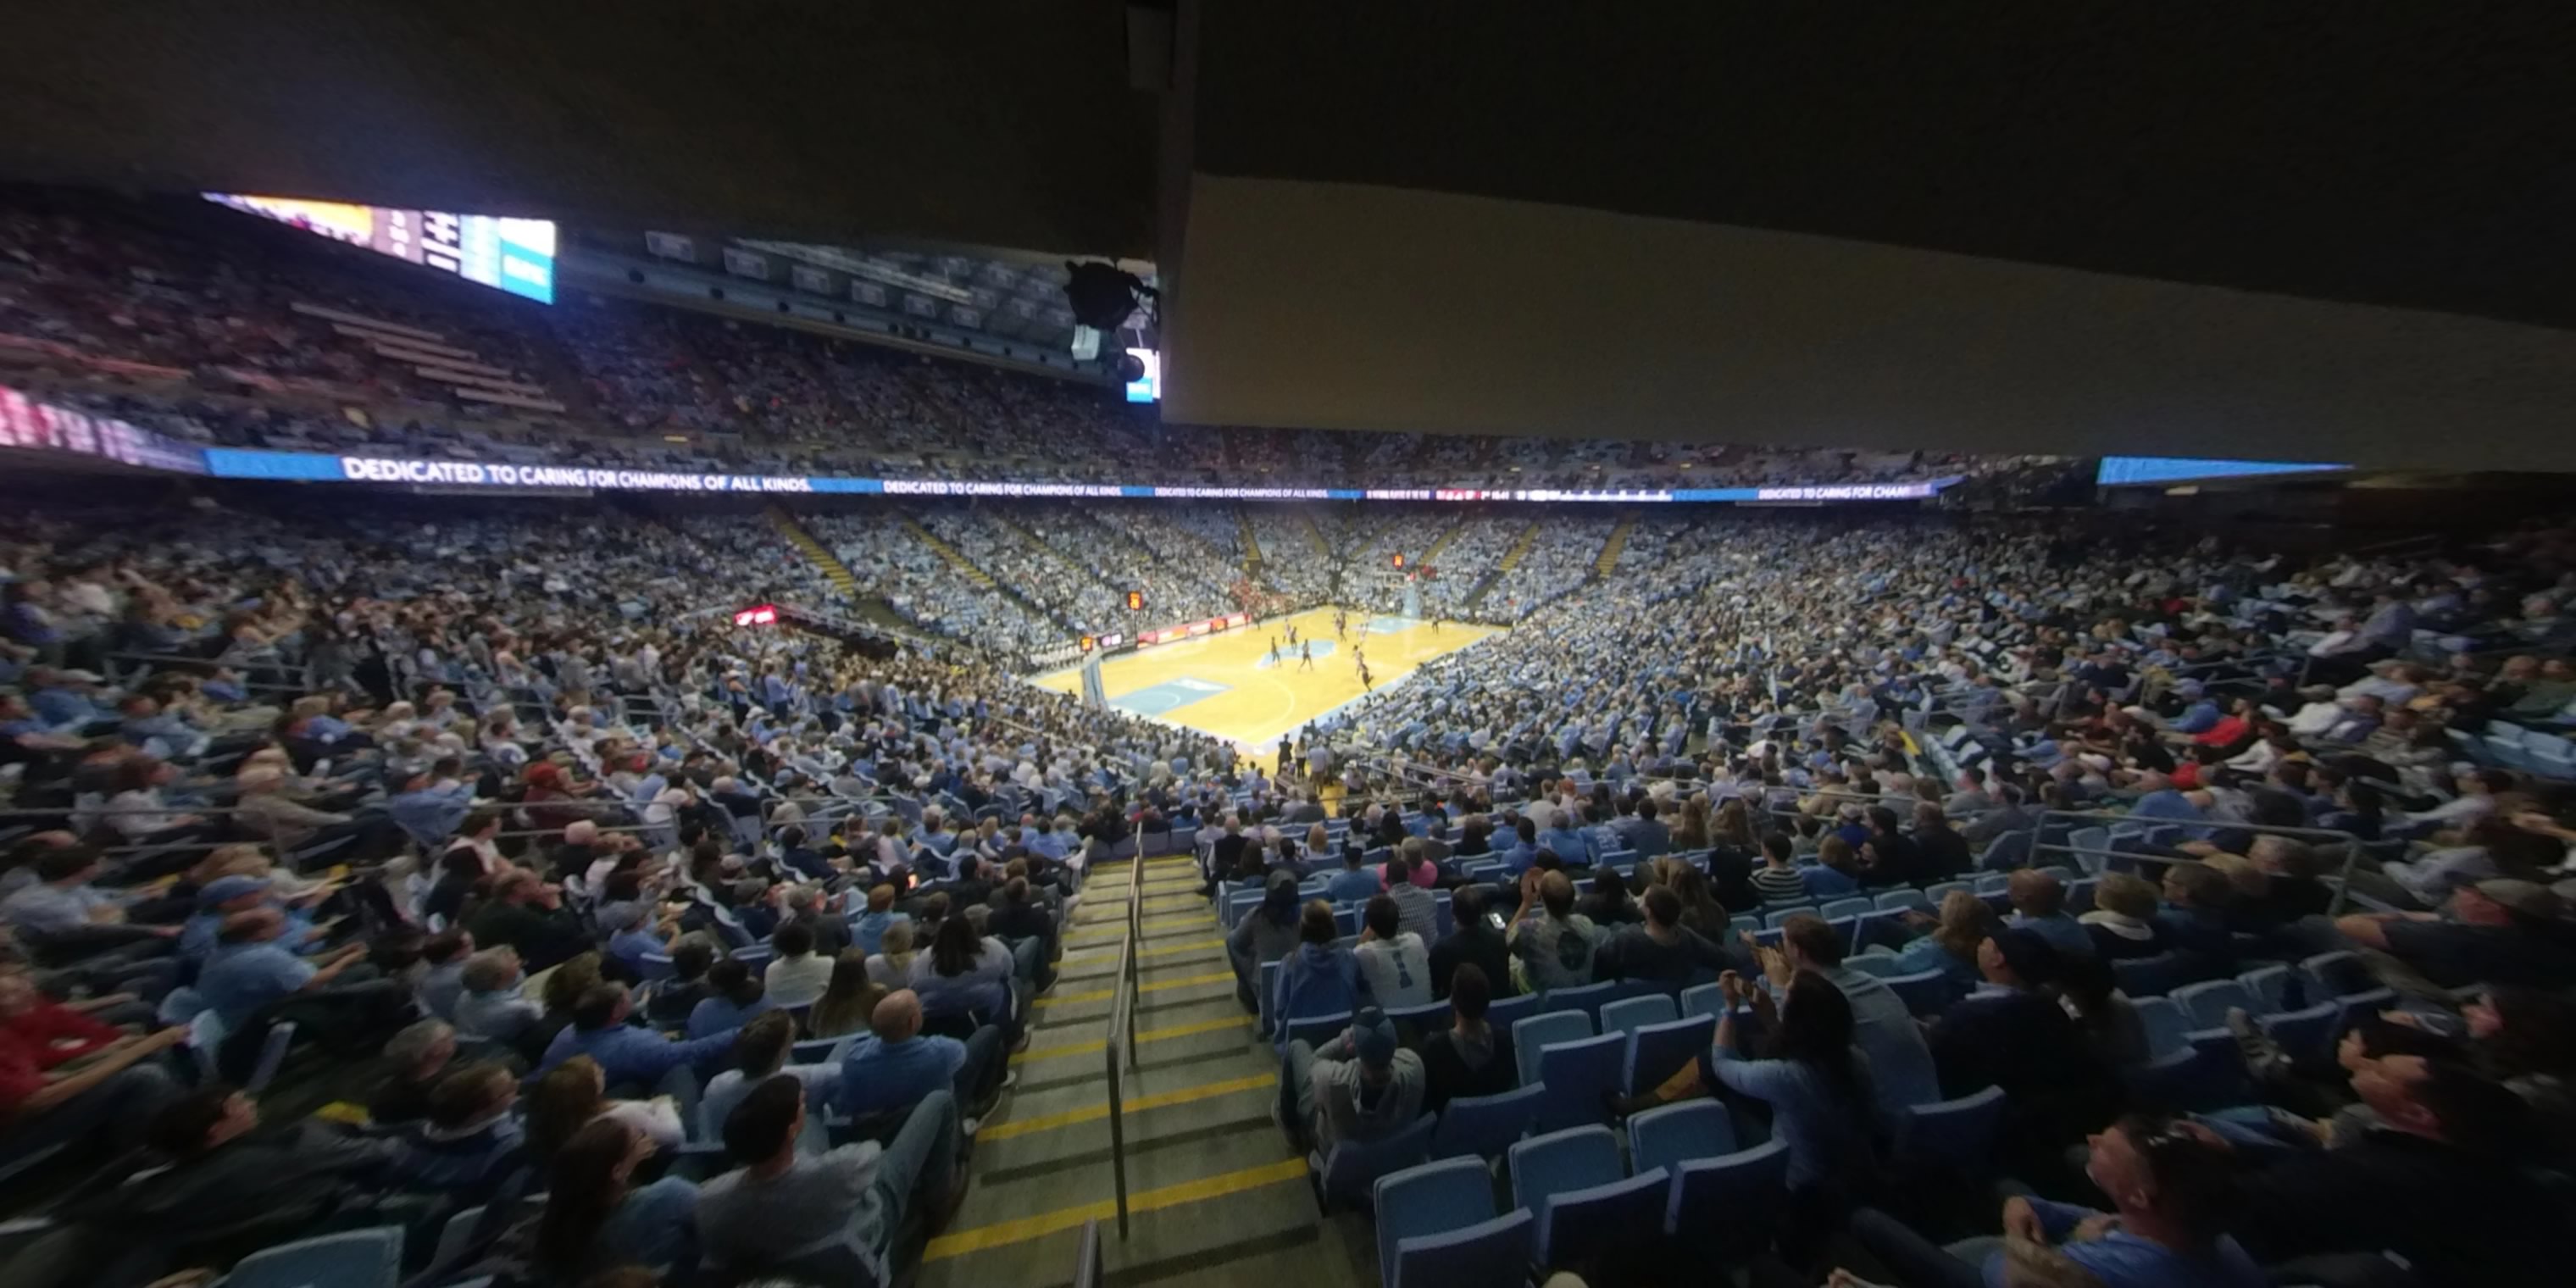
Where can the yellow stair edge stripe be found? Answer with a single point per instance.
(1023, 1229)
(1167, 950)
(1094, 1113)
(1143, 1036)
(1158, 986)
(1150, 923)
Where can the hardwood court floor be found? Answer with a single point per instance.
(1227, 685)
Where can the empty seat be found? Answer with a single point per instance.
(2208, 1002)
(2151, 976)
(1728, 1206)
(1771, 919)
(353, 1259)
(1587, 998)
(1926, 993)
(1578, 1075)
(2269, 987)
(1840, 908)
(1952, 1135)
(1582, 1224)
(1536, 1032)
(1933, 894)
(1658, 1051)
(1489, 1254)
(1900, 900)
(1429, 1199)
(2335, 974)
(1703, 999)
(2306, 1034)
(1558, 1162)
(1876, 961)
(1485, 1126)
(1350, 1172)
(1631, 1013)
(1508, 1011)
(1673, 1134)
(2165, 1022)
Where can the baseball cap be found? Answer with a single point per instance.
(1373, 1038)
(224, 890)
(2529, 898)
(2030, 956)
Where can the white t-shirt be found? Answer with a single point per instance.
(1398, 970)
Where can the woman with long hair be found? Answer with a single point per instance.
(1691, 831)
(1701, 912)
(848, 1001)
(573, 1094)
(1817, 1085)
(965, 975)
(890, 967)
(596, 1217)
(1733, 827)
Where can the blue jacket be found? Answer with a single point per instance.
(1573, 846)
(631, 1055)
(1352, 886)
(1316, 980)
(878, 1075)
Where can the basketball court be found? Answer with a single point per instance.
(1227, 684)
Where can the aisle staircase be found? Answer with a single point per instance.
(947, 553)
(1520, 549)
(816, 553)
(1251, 543)
(1314, 536)
(1216, 1195)
(1431, 555)
(1609, 560)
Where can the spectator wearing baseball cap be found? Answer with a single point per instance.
(1360, 1087)
(2503, 930)
(2011, 1033)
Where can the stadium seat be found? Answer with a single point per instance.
(1936, 892)
(657, 967)
(1485, 1126)
(1490, 1254)
(351, 1259)
(1926, 994)
(2151, 976)
(2335, 974)
(1413, 1023)
(2165, 1021)
(1841, 908)
(1900, 900)
(1677, 1133)
(2207, 1002)
(1635, 1012)
(1427, 1199)
(2269, 987)
(1952, 1135)
(2306, 1034)
(1537, 1031)
(1578, 1075)
(1658, 1051)
(1345, 1176)
(1559, 1162)
(1582, 1224)
(2009, 850)
(1703, 999)
(1773, 918)
(1587, 999)
(1319, 1029)
(1508, 1011)
(1743, 923)
(1727, 1207)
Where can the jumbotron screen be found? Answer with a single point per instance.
(514, 255)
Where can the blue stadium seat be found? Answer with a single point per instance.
(1727, 1207)
(1412, 1023)
(1578, 1075)
(1953, 1135)
(352, 1259)
(1319, 1029)
(1559, 1162)
(1538, 1031)
(1772, 918)
(1587, 998)
(1490, 1254)
(1582, 1224)
(1926, 993)
(1900, 900)
(2009, 850)
(2151, 976)
(2306, 1034)
(657, 967)
(1485, 1126)
(1631, 1013)
(2269, 986)
(1508, 1011)
(2207, 1002)
(2335, 974)
(1351, 1170)
(1703, 999)
(1678, 1133)
(2165, 1022)
(1743, 923)
(1875, 961)
(1427, 1199)
(1936, 892)
(1346, 917)
(1855, 907)
(1658, 1051)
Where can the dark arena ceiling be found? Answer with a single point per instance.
(2311, 232)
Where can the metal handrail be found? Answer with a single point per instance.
(1118, 1040)
(2352, 843)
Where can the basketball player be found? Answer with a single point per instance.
(1307, 652)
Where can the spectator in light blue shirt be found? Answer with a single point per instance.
(735, 994)
(2039, 906)
(65, 700)
(1524, 848)
(251, 969)
(1571, 844)
(894, 1066)
(629, 1055)
(431, 805)
(1353, 884)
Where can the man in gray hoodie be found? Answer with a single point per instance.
(1361, 1087)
